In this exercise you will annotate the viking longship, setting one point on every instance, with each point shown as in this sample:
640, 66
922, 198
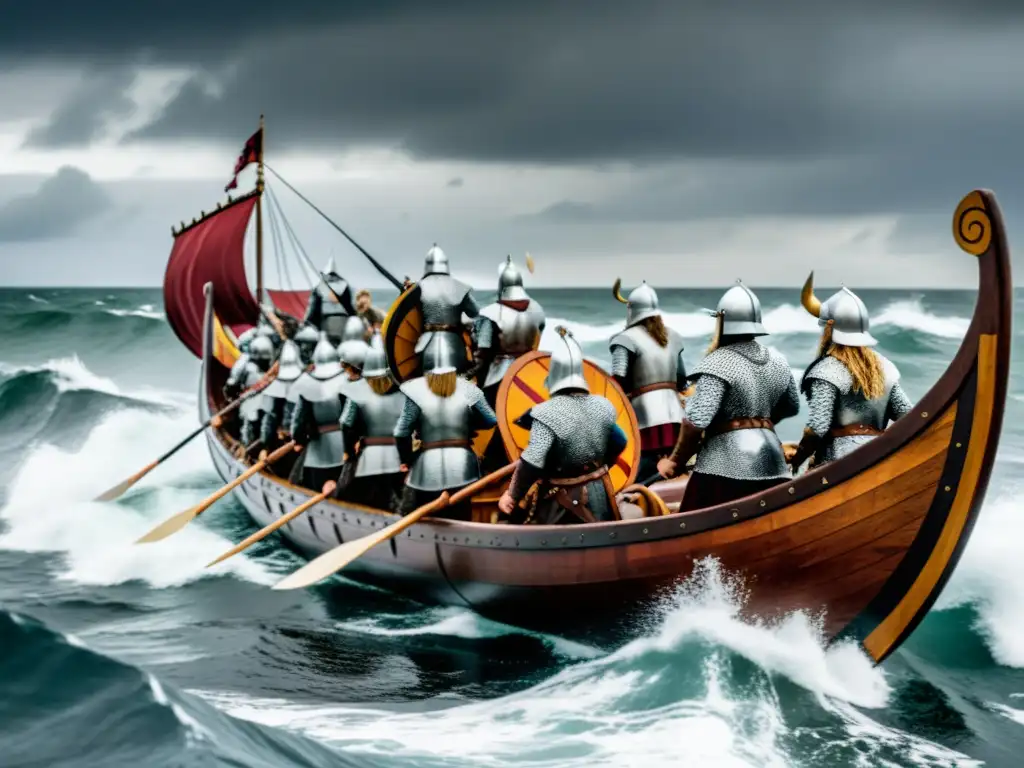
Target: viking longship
867, 541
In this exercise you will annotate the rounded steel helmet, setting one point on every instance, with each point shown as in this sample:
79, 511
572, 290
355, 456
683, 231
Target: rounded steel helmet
510, 282
436, 262
641, 304
376, 363
307, 339
740, 310
290, 362
353, 353
261, 349
325, 359
566, 368
844, 311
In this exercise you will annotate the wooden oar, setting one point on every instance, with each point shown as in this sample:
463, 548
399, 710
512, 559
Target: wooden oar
337, 558
279, 523
124, 485
180, 520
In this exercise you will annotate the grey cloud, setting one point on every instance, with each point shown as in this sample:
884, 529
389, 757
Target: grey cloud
83, 117
59, 207
455, 183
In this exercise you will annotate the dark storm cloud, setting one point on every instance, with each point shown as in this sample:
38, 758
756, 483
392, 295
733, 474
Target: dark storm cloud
60, 205
82, 118
855, 107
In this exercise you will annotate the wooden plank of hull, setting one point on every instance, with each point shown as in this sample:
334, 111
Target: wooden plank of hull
870, 539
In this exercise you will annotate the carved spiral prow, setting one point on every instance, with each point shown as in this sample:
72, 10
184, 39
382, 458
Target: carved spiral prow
616, 292
808, 299
972, 225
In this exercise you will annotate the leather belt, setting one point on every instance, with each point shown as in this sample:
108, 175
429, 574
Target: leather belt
851, 430
323, 429
747, 422
367, 441
445, 444
651, 388
440, 327
597, 474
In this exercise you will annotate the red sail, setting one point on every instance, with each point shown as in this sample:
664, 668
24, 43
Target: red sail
292, 302
212, 250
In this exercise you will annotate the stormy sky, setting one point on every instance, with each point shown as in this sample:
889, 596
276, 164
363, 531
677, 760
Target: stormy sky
683, 143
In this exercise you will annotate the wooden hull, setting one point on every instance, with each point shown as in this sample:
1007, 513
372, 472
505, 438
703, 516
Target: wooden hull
869, 540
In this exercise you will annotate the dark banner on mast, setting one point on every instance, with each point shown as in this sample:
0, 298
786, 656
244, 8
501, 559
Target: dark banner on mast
250, 154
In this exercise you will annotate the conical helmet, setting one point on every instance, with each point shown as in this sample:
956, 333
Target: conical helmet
353, 353
325, 359
641, 304
436, 262
261, 349
566, 368
740, 310
849, 317
376, 362
510, 282
307, 338
355, 329
333, 286
291, 366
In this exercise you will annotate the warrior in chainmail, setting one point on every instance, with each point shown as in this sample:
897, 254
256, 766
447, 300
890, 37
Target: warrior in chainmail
446, 411
320, 398
250, 412
277, 409
852, 391
443, 301
647, 362
236, 377
743, 390
330, 303
353, 348
563, 473
368, 421
504, 330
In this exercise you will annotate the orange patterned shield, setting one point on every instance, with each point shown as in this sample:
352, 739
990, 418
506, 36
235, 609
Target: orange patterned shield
401, 330
523, 387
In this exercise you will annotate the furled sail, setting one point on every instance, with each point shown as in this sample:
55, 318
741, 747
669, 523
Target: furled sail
211, 250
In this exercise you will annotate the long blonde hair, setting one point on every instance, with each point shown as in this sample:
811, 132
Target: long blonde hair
655, 327
442, 384
716, 337
381, 384
864, 365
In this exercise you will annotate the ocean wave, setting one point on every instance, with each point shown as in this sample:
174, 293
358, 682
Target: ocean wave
146, 311
96, 539
990, 577
58, 694
640, 706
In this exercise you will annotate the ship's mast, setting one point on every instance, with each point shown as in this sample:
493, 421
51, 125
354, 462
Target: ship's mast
259, 217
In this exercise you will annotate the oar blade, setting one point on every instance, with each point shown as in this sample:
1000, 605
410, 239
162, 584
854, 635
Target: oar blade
327, 564
171, 525
124, 485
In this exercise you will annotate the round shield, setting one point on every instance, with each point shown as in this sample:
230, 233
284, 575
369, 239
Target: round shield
523, 387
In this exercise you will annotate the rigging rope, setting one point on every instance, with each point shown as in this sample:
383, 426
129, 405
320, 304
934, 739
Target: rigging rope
275, 236
377, 265
296, 244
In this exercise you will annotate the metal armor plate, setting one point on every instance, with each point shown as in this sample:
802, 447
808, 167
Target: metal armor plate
251, 408
653, 364
518, 333
378, 414
401, 332
443, 418
326, 450
757, 377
